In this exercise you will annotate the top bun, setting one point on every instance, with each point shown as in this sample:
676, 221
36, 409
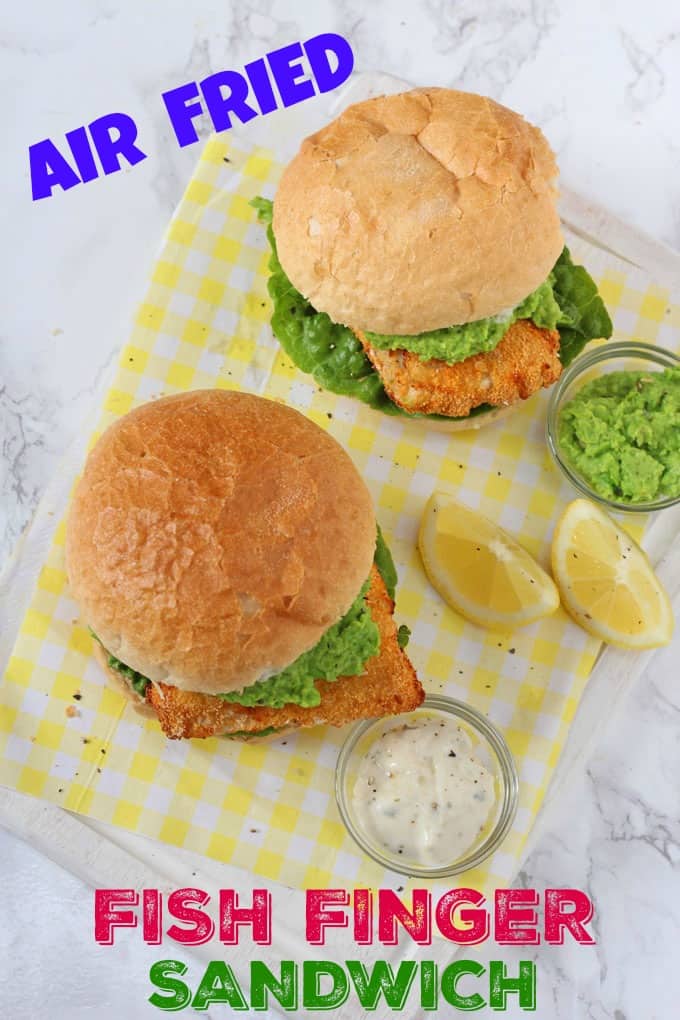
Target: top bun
417, 211
214, 536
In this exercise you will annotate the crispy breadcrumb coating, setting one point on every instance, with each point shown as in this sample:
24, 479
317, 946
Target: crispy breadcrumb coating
526, 359
388, 686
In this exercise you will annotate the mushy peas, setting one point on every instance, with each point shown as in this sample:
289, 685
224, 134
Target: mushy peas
621, 433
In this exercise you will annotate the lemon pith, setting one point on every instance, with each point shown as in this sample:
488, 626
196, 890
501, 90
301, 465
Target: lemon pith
479, 569
606, 582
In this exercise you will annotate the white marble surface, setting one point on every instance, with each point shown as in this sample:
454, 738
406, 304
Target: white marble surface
603, 80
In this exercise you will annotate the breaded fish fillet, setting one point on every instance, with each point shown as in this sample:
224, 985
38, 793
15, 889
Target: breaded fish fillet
388, 686
526, 359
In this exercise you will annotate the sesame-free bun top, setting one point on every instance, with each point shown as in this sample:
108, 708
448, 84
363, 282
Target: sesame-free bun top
417, 211
214, 536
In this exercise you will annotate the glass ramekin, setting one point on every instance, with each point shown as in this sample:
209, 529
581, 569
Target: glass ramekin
609, 357
488, 746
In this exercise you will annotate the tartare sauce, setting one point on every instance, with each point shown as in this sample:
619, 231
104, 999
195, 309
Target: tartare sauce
422, 795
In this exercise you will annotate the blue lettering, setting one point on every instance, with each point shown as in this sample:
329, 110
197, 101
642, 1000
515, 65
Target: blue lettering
82, 153
110, 149
182, 112
49, 169
289, 75
317, 50
234, 102
262, 87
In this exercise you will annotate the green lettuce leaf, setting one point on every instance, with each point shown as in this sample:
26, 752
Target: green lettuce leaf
568, 300
137, 681
251, 734
385, 564
584, 316
330, 353
313, 342
403, 635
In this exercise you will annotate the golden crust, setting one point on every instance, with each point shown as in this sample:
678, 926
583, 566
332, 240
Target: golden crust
526, 359
414, 211
388, 686
215, 536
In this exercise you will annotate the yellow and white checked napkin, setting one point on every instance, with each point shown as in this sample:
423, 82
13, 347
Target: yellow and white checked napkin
67, 737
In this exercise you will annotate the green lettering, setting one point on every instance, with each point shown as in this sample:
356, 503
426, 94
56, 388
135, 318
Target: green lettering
382, 982
263, 984
160, 975
218, 984
429, 991
500, 985
312, 996
450, 980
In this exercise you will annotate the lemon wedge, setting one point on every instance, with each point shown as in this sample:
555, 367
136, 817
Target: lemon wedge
606, 582
480, 570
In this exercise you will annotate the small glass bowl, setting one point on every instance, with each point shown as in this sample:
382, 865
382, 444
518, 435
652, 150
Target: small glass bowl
609, 357
488, 746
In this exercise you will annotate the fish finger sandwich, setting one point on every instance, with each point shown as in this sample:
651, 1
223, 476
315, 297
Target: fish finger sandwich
418, 261
224, 552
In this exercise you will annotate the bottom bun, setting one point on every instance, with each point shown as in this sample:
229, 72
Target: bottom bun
470, 424
139, 704
259, 738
